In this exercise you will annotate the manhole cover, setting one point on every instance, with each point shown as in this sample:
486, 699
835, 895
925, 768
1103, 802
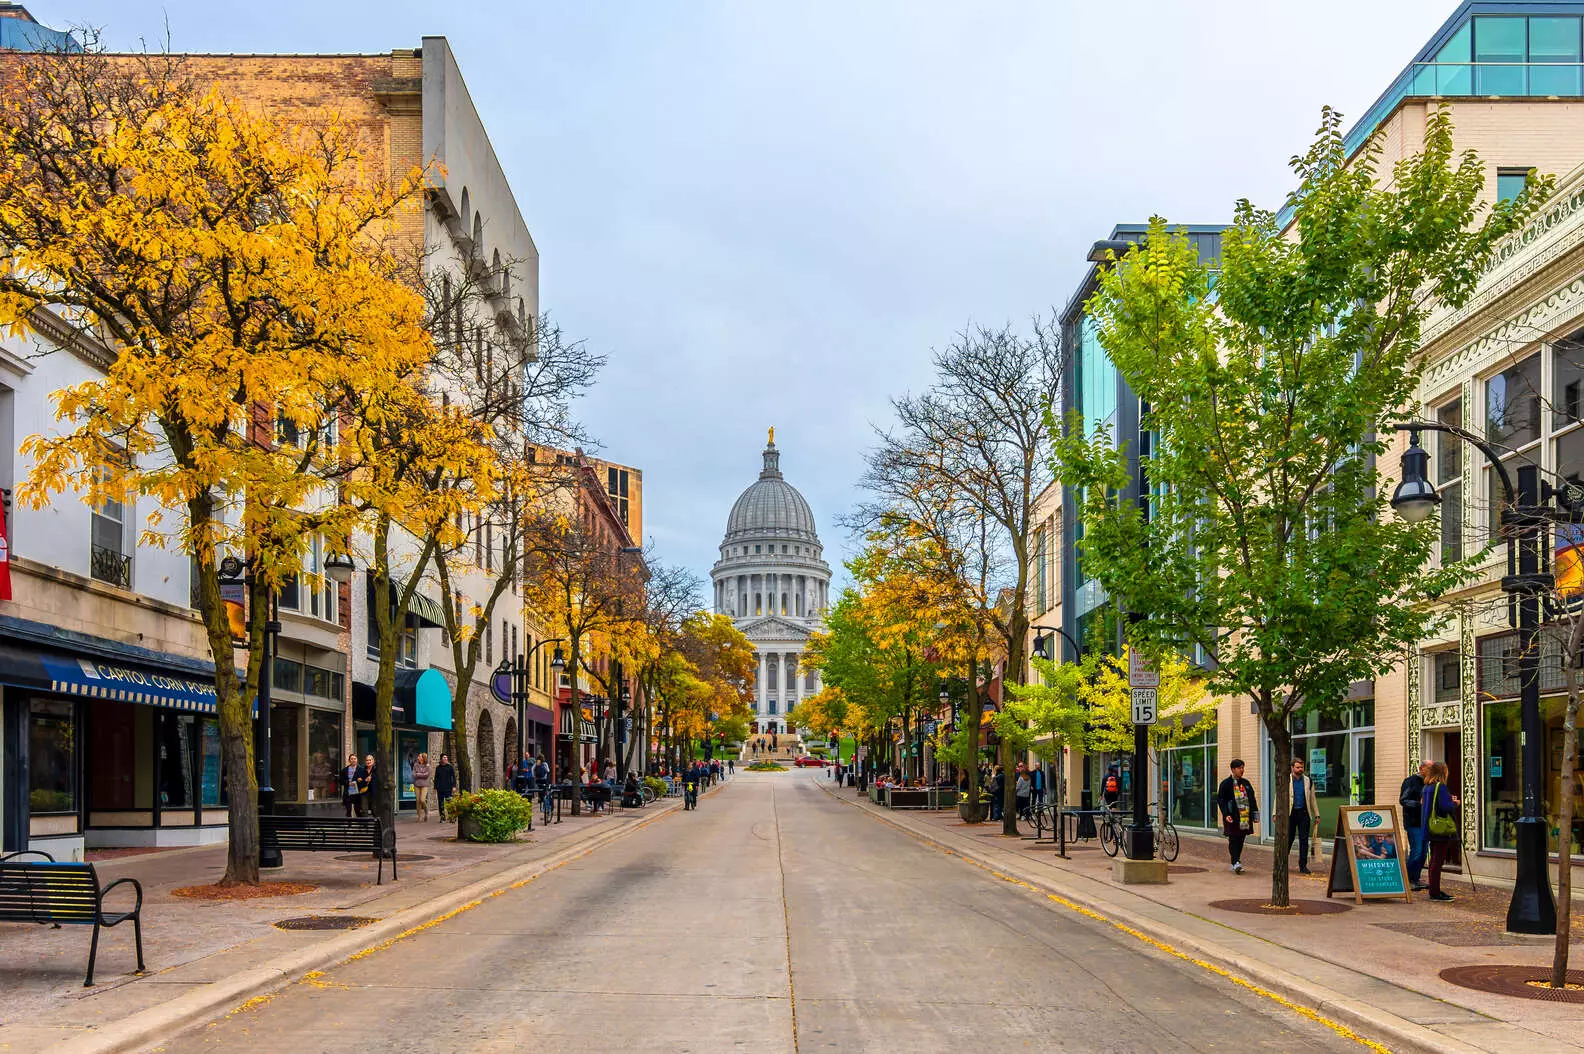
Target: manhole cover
1259, 906
1185, 869
1517, 981
401, 858
324, 922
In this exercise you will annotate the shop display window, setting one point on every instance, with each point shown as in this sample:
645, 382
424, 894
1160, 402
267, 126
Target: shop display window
210, 767
1191, 781
176, 748
1502, 762
285, 742
324, 754
52, 757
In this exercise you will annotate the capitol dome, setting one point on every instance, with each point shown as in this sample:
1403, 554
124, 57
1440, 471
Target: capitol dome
771, 507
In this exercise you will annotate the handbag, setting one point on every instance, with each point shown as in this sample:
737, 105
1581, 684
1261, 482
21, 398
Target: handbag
1440, 826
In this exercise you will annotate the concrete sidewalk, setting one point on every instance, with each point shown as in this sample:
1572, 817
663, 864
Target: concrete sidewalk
1374, 967
204, 957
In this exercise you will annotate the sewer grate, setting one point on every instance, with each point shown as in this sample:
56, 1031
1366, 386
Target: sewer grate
325, 922
1516, 981
1259, 906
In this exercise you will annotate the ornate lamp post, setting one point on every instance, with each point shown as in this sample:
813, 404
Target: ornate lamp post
519, 673
1528, 513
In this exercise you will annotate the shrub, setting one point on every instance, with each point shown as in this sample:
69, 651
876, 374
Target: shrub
492, 815
766, 766
656, 784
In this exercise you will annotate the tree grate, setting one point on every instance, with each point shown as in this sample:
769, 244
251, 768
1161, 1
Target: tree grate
325, 922
1520, 982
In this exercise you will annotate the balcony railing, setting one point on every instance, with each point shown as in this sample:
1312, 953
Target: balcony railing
109, 565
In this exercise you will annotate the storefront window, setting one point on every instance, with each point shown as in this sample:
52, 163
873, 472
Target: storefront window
1503, 774
324, 754
1338, 752
52, 757
176, 732
209, 765
116, 779
408, 747
1191, 782
285, 742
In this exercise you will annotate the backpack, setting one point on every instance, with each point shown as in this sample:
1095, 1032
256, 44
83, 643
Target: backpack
1111, 786
541, 773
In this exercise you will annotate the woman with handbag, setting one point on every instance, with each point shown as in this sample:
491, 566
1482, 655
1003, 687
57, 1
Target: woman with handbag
1440, 822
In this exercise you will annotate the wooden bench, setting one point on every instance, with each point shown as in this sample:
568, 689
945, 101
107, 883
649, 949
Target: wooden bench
330, 834
64, 894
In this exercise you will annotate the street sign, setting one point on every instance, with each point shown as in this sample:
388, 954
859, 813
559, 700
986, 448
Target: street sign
1143, 706
1141, 672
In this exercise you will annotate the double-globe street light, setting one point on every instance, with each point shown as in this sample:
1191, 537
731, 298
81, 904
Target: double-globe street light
518, 673
1528, 513
1140, 743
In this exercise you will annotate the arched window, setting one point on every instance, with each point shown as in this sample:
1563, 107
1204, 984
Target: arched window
466, 212
783, 603
478, 236
500, 273
758, 603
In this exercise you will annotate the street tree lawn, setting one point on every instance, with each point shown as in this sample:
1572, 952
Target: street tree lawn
1267, 539
238, 278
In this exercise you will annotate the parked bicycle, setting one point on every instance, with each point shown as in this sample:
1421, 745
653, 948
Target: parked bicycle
1113, 826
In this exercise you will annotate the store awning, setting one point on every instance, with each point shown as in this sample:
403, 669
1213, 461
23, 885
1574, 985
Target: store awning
424, 611
585, 727
422, 700
99, 678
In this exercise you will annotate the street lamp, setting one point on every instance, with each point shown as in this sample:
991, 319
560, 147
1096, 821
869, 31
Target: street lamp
338, 568
1527, 515
519, 673
1042, 651
623, 696
234, 569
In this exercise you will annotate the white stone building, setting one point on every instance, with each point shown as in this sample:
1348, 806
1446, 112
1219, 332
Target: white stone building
773, 582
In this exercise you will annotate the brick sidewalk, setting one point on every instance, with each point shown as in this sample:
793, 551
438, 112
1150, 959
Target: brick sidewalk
1381, 954
188, 943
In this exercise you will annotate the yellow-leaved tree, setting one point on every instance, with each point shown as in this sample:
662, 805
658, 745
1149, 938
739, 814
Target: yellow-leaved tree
236, 275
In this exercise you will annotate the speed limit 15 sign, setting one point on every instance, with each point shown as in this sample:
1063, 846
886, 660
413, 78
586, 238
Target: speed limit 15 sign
1143, 706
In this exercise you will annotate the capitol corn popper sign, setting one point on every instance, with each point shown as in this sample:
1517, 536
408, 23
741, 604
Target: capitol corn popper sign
1377, 849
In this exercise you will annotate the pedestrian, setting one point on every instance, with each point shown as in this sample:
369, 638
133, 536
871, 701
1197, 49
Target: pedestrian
1301, 821
1037, 786
1239, 812
997, 788
365, 784
349, 791
420, 781
1024, 790
522, 779
1440, 816
731, 766
1411, 798
1111, 786
444, 783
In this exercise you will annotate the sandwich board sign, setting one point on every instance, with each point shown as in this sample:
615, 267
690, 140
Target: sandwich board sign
1370, 854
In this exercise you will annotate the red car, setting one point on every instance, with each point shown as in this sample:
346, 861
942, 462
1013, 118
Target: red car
810, 761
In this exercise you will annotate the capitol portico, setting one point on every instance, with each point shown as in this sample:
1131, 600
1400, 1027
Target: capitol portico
772, 581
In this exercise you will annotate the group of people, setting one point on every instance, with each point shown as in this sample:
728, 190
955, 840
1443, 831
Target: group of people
761, 745
357, 784
1429, 808
1028, 788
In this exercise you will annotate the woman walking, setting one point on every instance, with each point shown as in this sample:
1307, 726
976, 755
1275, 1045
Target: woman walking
349, 786
1440, 823
420, 778
365, 786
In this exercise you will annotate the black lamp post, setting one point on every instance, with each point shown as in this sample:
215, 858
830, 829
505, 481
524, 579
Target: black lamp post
621, 695
1056, 792
234, 569
520, 672
1527, 515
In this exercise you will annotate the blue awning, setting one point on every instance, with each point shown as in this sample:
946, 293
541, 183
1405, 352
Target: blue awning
97, 677
432, 701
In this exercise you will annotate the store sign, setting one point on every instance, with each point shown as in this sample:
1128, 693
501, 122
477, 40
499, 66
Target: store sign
1369, 857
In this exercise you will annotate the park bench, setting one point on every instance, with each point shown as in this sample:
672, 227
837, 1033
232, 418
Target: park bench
64, 894
330, 834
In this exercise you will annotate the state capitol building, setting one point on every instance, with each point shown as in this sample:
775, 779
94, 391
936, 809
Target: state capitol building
773, 582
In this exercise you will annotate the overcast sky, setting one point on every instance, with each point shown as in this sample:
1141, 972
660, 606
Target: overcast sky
769, 213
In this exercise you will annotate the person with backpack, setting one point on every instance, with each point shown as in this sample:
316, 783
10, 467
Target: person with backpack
1111, 786
1440, 810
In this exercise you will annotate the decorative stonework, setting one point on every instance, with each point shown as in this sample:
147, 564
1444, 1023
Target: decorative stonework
1416, 662
1472, 791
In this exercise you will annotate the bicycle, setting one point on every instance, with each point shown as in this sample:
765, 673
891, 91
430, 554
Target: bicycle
1166, 841
547, 802
1110, 830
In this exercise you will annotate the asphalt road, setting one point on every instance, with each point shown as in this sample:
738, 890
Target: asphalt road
772, 919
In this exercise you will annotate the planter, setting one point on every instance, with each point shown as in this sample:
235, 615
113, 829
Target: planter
970, 813
468, 830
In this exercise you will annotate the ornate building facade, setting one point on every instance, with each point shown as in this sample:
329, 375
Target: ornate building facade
773, 582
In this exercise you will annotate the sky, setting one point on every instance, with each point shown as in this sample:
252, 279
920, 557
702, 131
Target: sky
769, 213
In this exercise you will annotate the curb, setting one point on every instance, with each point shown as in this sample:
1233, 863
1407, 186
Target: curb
1371, 1021
163, 1020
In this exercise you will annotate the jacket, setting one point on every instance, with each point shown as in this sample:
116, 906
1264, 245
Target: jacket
365, 779
444, 778
1437, 795
420, 774
1411, 798
349, 788
1313, 810
1227, 804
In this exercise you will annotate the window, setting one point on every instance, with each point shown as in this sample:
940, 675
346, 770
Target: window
489, 546
1452, 74
758, 549
1513, 425
52, 757
324, 754
1041, 596
1500, 50
1448, 677
783, 550
783, 603
1510, 182
758, 603
1554, 56
1449, 480
312, 592
489, 648
772, 705
107, 559
514, 650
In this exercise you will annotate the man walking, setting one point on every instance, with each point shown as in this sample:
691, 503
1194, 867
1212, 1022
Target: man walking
731, 766
1411, 798
1300, 822
1239, 813
444, 781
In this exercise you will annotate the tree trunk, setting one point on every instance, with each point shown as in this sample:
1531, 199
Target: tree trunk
459, 691
1559, 958
236, 725
1281, 805
973, 716
386, 621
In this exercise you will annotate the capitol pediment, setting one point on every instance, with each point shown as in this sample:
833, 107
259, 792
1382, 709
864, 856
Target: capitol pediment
775, 627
